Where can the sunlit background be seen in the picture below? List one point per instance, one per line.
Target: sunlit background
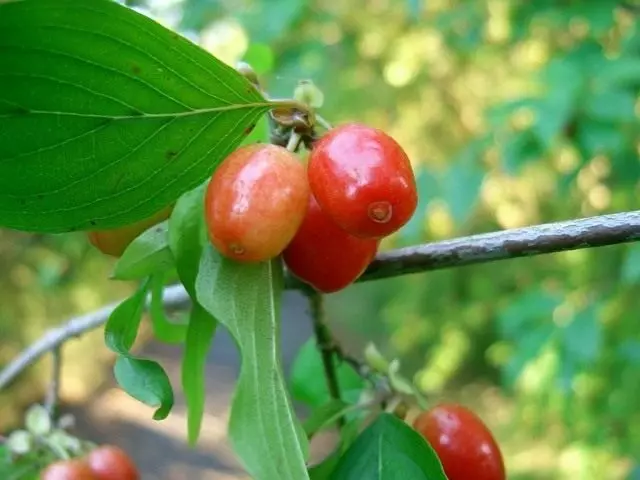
(513, 113)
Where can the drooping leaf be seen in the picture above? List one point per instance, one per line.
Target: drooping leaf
(148, 254)
(186, 238)
(106, 116)
(263, 427)
(147, 382)
(143, 379)
(308, 382)
(325, 416)
(389, 449)
(165, 330)
(202, 327)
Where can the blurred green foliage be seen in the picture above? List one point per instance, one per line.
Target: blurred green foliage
(514, 113)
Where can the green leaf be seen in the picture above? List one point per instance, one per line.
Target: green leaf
(631, 266)
(325, 415)
(261, 58)
(202, 328)
(143, 379)
(611, 105)
(267, 21)
(389, 449)
(308, 383)
(519, 149)
(620, 72)
(186, 237)
(165, 330)
(582, 337)
(147, 382)
(348, 434)
(106, 116)
(148, 254)
(263, 427)
(596, 137)
(461, 183)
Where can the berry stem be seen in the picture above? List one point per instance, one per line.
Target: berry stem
(294, 141)
(324, 340)
(323, 122)
(54, 386)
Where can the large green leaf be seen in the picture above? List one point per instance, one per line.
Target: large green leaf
(143, 379)
(263, 427)
(389, 449)
(106, 116)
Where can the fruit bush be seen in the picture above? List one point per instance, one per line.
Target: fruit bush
(194, 173)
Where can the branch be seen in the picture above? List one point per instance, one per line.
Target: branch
(520, 242)
(174, 298)
(51, 399)
(536, 240)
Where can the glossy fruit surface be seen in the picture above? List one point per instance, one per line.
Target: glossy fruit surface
(115, 241)
(325, 256)
(73, 469)
(363, 180)
(109, 462)
(255, 202)
(464, 444)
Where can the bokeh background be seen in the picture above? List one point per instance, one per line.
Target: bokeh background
(514, 113)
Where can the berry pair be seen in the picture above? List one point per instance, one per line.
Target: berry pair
(107, 462)
(327, 219)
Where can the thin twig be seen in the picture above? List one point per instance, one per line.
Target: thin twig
(324, 339)
(536, 240)
(51, 399)
(174, 298)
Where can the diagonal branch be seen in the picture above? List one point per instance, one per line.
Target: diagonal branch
(536, 240)
(520, 242)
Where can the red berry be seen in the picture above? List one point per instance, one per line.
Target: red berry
(109, 462)
(115, 241)
(255, 202)
(73, 469)
(464, 444)
(363, 180)
(325, 256)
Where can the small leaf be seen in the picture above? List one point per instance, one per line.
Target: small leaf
(164, 329)
(596, 137)
(202, 327)
(37, 420)
(187, 235)
(20, 442)
(143, 379)
(308, 382)
(389, 449)
(122, 327)
(324, 416)
(106, 116)
(148, 254)
(263, 427)
(146, 381)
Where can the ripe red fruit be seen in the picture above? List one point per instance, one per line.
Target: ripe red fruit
(255, 202)
(115, 241)
(109, 462)
(325, 256)
(73, 469)
(464, 444)
(363, 180)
